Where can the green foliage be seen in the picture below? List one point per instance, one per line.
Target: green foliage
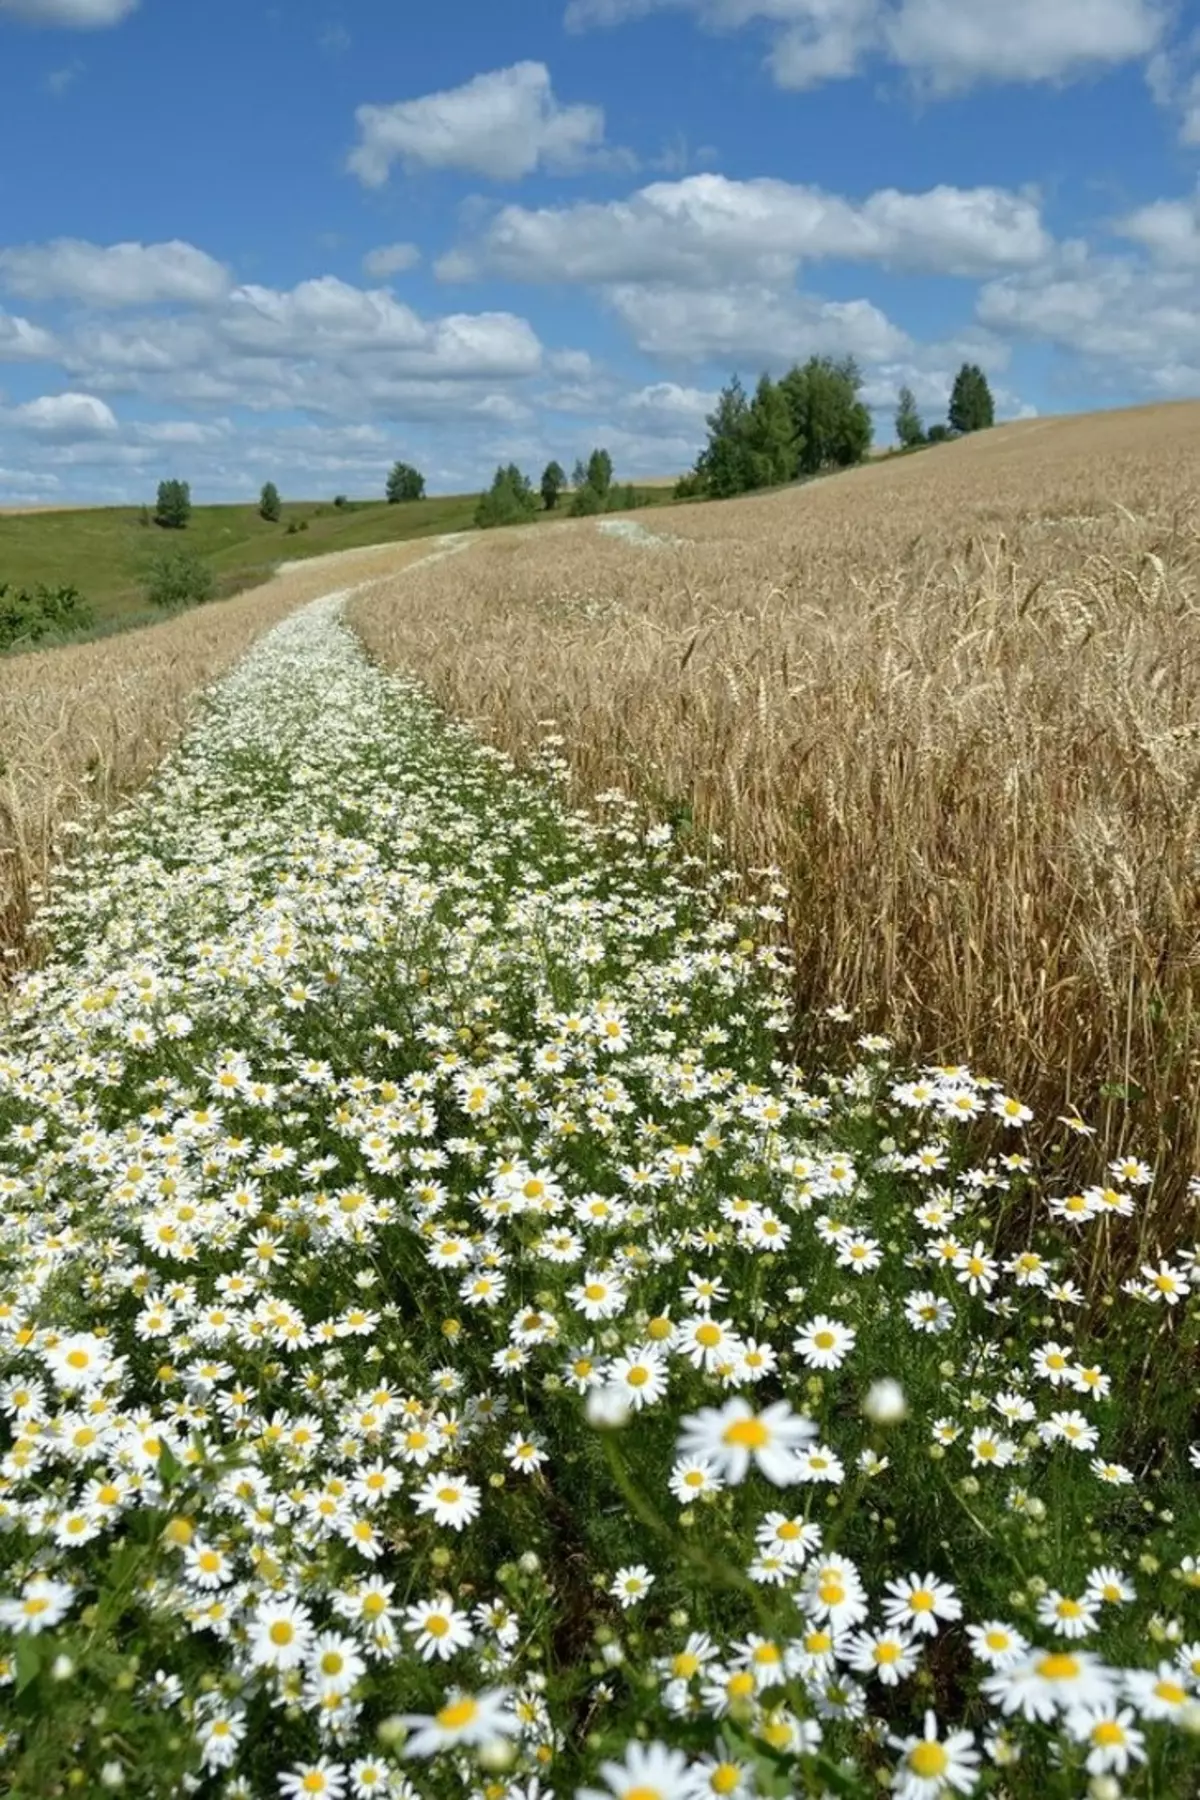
(938, 434)
(971, 404)
(28, 616)
(832, 426)
(178, 578)
(174, 506)
(600, 471)
(269, 506)
(769, 436)
(340, 501)
(144, 518)
(909, 430)
(405, 483)
(722, 468)
(579, 473)
(509, 501)
(586, 502)
(554, 479)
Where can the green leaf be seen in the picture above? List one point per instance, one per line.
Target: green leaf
(169, 1466)
(29, 1661)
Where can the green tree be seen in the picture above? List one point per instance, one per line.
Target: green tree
(269, 504)
(723, 466)
(832, 426)
(579, 473)
(554, 479)
(938, 434)
(600, 472)
(909, 429)
(174, 507)
(405, 483)
(509, 501)
(971, 404)
(769, 436)
(586, 502)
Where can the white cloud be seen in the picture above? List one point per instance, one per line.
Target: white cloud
(1168, 229)
(80, 15)
(59, 80)
(946, 45)
(502, 125)
(390, 259)
(1173, 78)
(67, 418)
(761, 326)
(113, 275)
(1130, 323)
(22, 342)
(710, 228)
(667, 408)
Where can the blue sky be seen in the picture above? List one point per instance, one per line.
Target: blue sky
(242, 242)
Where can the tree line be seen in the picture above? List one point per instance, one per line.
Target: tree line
(809, 421)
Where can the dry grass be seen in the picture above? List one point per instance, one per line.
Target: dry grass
(82, 725)
(955, 696)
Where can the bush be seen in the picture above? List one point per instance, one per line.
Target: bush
(509, 501)
(340, 501)
(178, 578)
(174, 507)
(28, 616)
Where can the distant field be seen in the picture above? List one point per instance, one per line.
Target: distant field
(103, 550)
(955, 696)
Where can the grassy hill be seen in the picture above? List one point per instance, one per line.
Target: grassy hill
(103, 551)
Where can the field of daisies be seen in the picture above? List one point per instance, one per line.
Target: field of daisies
(448, 1348)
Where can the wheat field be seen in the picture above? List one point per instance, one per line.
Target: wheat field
(955, 697)
(83, 725)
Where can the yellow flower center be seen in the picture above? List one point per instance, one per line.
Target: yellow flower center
(1060, 1665)
(457, 1714)
(282, 1632)
(928, 1760)
(746, 1434)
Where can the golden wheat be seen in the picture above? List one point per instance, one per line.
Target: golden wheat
(82, 725)
(956, 697)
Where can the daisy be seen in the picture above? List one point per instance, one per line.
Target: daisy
(1109, 1586)
(931, 1765)
(452, 1500)
(42, 1604)
(322, 1780)
(1051, 1681)
(891, 1655)
(281, 1633)
(996, 1644)
(833, 1592)
(597, 1297)
(647, 1772)
(693, 1476)
(824, 1343)
(1157, 1693)
(525, 1454)
(1069, 1617)
(469, 1719)
(1113, 1741)
(793, 1539)
(640, 1378)
(631, 1584)
(437, 1629)
(734, 1435)
(335, 1663)
(917, 1603)
(707, 1342)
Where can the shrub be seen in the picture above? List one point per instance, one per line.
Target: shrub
(509, 501)
(340, 501)
(178, 578)
(27, 616)
(174, 507)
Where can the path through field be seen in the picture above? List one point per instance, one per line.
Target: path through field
(379, 1138)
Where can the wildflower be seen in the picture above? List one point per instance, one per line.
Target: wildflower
(824, 1343)
(997, 1644)
(280, 1634)
(734, 1435)
(647, 1772)
(1069, 1617)
(1159, 1693)
(884, 1403)
(42, 1604)
(1112, 1740)
(323, 1780)
(452, 1500)
(1051, 1681)
(917, 1603)
(931, 1765)
(631, 1584)
(465, 1719)
(891, 1655)
(438, 1630)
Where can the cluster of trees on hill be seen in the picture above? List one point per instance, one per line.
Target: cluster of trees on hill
(971, 409)
(809, 421)
(512, 497)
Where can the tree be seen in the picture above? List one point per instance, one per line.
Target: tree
(579, 473)
(769, 436)
(405, 483)
(268, 504)
(971, 404)
(909, 429)
(832, 426)
(509, 501)
(174, 507)
(938, 434)
(600, 472)
(554, 479)
(722, 466)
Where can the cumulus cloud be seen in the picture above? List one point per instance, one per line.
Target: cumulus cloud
(946, 45)
(1168, 229)
(78, 15)
(113, 275)
(710, 228)
(1127, 321)
(743, 324)
(67, 418)
(22, 342)
(503, 125)
(390, 259)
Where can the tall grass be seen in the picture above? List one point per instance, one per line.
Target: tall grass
(956, 697)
